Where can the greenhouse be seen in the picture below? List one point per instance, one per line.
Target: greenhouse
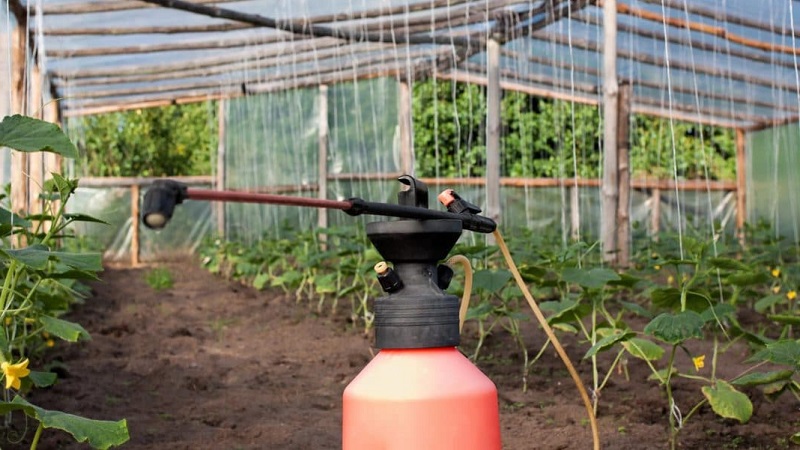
(638, 156)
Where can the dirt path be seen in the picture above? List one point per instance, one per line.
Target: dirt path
(209, 364)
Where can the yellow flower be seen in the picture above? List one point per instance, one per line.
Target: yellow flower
(14, 373)
(670, 279)
(699, 362)
(791, 295)
(776, 289)
(50, 343)
(8, 321)
(776, 272)
(657, 267)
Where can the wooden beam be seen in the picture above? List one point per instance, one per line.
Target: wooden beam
(741, 183)
(221, 169)
(124, 182)
(624, 173)
(106, 6)
(544, 92)
(610, 187)
(134, 225)
(311, 29)
(322, 155)
(167, 29)
(493, 100)
(405, 128)
(727, 96)
(720, 32)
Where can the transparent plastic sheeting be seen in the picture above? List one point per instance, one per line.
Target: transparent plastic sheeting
(773, 185)
(191, 222)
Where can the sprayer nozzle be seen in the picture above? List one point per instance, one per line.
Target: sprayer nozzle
(159, 202)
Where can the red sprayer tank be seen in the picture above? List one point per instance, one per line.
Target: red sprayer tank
(419, 392)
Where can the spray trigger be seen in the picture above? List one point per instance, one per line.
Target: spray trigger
(455, 204)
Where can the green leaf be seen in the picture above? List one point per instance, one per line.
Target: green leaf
(490, 280)
(671, 298)
(795, 438)
(748, 278)
(27, 134)
(727, 402)
(636, 309)
(728, 264)
(42, 379)
(66, 330)
(78, 217)
(9, 218)
(625, 280)
(660, 375)
(718, 312)
(260, 281)
(590, 279)
(767, 302)
(481, 310)
(759, 378)
(35, 256)
(786, 352)
(676, 328)
(786, 319)
(608, 341)
(100, 434)
(643, 349)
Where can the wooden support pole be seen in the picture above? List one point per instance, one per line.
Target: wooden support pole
(623, 167)
(134, 225)
(493, 94)
(19, 160)
(575, 212)
(406, 135)
(741, 183)
(322, 156)
(655, 214)
(219, 180)
(610, 187)
(36, 172)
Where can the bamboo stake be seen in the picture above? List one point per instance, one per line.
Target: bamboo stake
(610, 187)
(493, 99)
(741, 184)
(134, 225)
(623, 165)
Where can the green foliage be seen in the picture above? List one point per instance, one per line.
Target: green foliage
(159, 278)
(551, 138)
(167, 141)
(39, 284)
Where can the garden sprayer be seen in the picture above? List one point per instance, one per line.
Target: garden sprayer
(419, 392)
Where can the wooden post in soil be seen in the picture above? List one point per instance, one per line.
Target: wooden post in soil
(19, 160)
(655, 214)
(322, 159)
(219, 180)
(741, 184)
(135, 224)
(624, 175)
(610, 186)
(405, 128)
(493, 94)
(35, 159)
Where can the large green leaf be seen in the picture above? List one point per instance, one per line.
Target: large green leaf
(36, 256)
(727, 264)
(490, 280)
(786, 352)
(676, 328)
(748, 278)
(759, 378)
(728, 402)
(100, 434)
(608, 341)
(69, 331)
(767, 302)
(589, 278)
(643, 349)
(9, 218)
(671, 298)
(42, 379)
(27, 134)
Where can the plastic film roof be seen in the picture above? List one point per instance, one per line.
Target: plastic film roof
(724, 62)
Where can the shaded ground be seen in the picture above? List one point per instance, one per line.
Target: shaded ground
(210, 364)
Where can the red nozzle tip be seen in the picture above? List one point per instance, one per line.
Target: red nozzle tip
(446, 197)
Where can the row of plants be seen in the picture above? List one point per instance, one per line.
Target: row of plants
(677, 308)
(40, 282)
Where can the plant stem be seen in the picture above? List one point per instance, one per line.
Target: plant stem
(36, 436)
(673, 430)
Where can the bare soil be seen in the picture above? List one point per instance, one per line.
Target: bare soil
(211, 364)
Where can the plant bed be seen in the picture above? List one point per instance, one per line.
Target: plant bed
(209, 363)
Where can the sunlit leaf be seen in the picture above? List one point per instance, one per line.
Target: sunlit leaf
(69, 331)
(27, 134)
(608, 341)
(727, 402)
(759, 378)
(589, 278)
(643, 349)
(676, 328)
(786, 352)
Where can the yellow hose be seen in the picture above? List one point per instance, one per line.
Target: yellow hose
(549, 332)
(462, 311)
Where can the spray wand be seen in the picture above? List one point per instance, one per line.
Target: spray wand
(416, 324)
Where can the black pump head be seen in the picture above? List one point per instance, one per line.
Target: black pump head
(159, 202)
